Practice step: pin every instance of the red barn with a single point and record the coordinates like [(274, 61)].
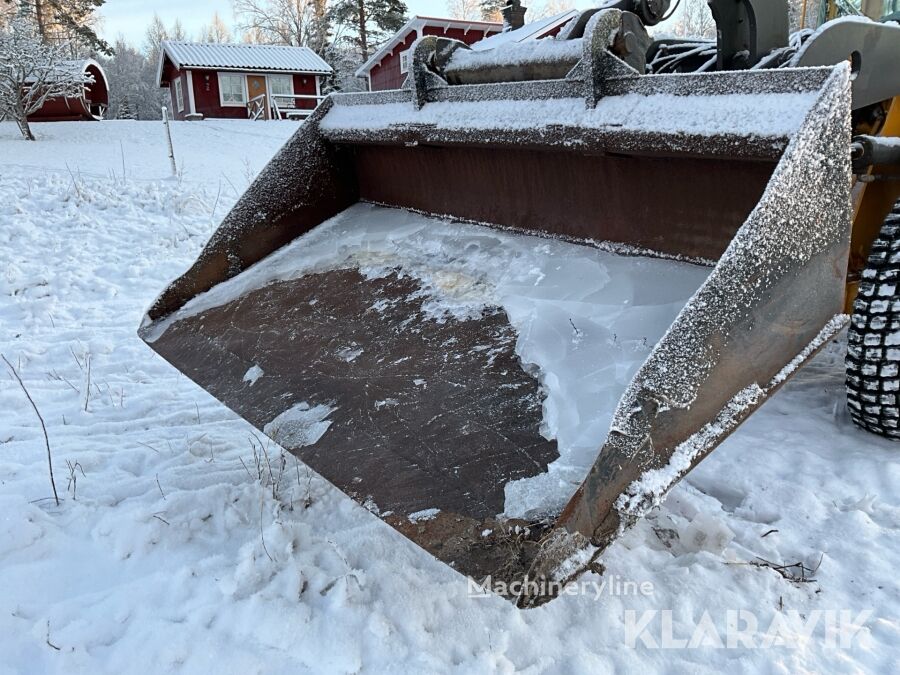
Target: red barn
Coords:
[(240, 80), (387, 68), (91, 105)]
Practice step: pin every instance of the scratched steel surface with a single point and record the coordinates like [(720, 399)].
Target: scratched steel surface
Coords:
[(427, 414)]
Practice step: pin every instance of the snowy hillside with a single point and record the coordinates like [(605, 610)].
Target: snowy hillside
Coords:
[(186, 542)]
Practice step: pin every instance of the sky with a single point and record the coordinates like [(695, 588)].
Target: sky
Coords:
[(130, 18)]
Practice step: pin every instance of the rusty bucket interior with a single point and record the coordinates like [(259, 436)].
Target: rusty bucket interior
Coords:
[(333, 309)]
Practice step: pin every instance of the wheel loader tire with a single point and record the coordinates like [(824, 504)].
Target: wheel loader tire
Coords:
[(873, 349)]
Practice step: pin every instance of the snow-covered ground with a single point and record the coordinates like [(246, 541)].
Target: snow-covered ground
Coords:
[(172, 551)]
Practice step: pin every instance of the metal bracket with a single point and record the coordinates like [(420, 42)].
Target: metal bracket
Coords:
[(748, 30), (429, 53), (599, 63)]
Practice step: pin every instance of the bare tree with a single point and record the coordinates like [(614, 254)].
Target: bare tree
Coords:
[(216, 31), (464, 9), (795, 14), (286, 22), (32, 73), (7, 13), (177, 32), (156, 33), (694, 19), (549, 8), (320, 32)]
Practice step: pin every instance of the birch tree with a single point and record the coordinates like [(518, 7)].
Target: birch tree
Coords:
[(216, 31), (285, 22), (694, 19), (469, 10)]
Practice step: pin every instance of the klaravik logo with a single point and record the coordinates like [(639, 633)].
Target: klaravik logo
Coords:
[(743, 629)]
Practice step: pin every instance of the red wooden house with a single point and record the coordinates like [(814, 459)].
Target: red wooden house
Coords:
[(387, 68), (240, 80), (91, 105)]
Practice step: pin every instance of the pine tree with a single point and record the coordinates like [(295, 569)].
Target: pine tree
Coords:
[(369, 21), (66, 21), (490, 9), (125, 112)]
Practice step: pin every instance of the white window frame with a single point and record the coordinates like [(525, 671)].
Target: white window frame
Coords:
[(232, 104), (286, 76), (179, 94), (289, 103), (405, 56), (192, 107)]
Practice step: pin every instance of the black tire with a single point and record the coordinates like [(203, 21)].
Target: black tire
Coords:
[(873, 349)]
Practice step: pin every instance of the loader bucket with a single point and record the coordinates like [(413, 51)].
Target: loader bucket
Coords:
[(333, 307)]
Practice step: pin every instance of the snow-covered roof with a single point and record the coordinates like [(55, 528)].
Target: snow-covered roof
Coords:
[(75, 67), (530, 31), (268, 58), (417, 23)]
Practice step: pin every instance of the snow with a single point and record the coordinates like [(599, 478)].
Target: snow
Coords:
[(531, 51), (171, 549), (705, 533), (246, 57), (138, 149), (300, 425), (253, 374), (424, 514), (350, 354), (763, 115), (586, 317)]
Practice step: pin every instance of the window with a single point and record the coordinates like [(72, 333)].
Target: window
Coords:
[(281, 87), (179, 94), (231, 90), (404, 61)]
